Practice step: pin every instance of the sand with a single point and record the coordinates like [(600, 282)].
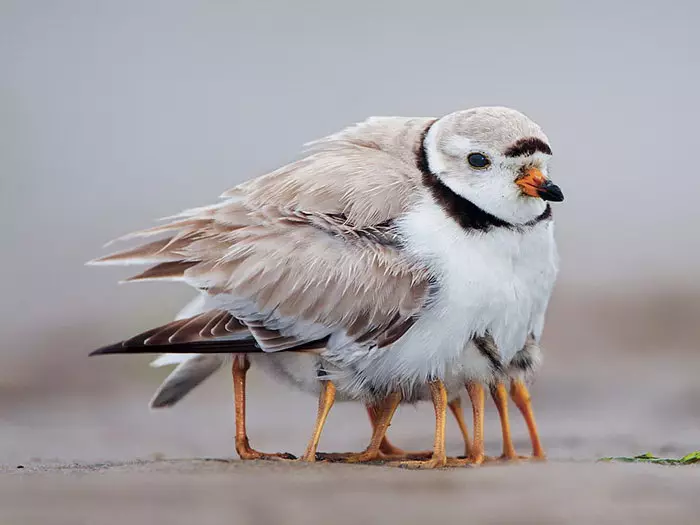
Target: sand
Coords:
[(95, 454), (217, 491)]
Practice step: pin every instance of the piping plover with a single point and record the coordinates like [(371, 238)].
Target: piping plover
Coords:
[(299, 370), (431, 236)]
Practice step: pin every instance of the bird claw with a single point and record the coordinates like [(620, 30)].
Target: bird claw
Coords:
[(251, 454), (431, 463)]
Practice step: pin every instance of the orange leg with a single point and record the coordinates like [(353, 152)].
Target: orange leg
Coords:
[(325, 402), (239, 369), (383, 414), (476, 395), (379, 415), (385, 447), (521, 398), (388, 450), (500, 398), (439, 457), (456, 408)]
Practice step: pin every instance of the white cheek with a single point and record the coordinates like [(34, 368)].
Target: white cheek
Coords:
[(496, 193), (493, 190)]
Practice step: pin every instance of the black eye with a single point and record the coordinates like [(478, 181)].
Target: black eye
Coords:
[(478, 161)]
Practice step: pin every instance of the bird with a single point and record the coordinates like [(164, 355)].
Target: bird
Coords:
[(299, 370), (412, 254), (518, 372), (193, 369)]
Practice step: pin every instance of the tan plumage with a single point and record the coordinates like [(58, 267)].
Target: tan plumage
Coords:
[(212, 324), (213, 329), (339, 249), (315, 229), (164, 271), (366, 173)]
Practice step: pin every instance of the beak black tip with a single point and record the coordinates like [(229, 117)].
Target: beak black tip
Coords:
[(550, 192), (553, 198)]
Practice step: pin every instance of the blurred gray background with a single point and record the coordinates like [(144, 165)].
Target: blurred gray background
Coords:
[(115, 113)]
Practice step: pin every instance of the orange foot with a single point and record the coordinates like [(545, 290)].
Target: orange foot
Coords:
[(425, 464), (277, 456), (536, 457), (386, 452), (246, 453), (504, 458), (396, 453), (371, 457), (470, 461)]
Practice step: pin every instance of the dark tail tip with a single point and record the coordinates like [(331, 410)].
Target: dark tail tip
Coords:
[(117, 348), (132, 347)]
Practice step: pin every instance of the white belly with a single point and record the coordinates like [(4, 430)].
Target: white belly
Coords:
[(497, 282)]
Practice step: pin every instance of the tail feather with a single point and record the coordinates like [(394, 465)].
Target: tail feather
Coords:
[(245, 346), (212, 332), (185, 378), (167, 271), (151, 253), (188, 224), (171, 359)]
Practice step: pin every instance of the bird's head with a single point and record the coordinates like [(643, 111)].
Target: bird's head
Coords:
[(495, 157)]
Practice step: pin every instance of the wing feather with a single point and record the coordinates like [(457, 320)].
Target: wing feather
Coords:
[(168, 271), (309, 249), (166, 339)]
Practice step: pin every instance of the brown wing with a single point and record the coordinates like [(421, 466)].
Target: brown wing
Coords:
[(366, 173), (308, 247), (216, 331)]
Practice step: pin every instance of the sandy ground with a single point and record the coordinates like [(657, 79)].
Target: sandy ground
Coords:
[(217, 491), (78, 447)]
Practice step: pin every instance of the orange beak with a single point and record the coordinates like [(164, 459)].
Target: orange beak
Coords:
[(534, 184)]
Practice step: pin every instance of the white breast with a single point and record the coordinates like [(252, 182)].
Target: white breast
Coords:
[(497, 282)]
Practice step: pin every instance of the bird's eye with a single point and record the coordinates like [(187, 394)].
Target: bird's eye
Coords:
[(478, 161)]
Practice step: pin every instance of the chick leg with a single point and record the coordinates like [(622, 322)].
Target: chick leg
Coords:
[(500, 398), (438, 394), (456, 408), (385, 447), (388, 449), (325, 402), (239, 370), (384, 412), (521, 398), (476, 395), (379, 449)]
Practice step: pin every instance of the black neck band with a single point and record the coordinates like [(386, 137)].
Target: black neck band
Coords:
[(467, 214)]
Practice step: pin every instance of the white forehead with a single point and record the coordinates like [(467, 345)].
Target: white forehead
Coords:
[(493, 128)]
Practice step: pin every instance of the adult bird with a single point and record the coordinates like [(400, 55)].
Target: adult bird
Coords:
[(411, 255)]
